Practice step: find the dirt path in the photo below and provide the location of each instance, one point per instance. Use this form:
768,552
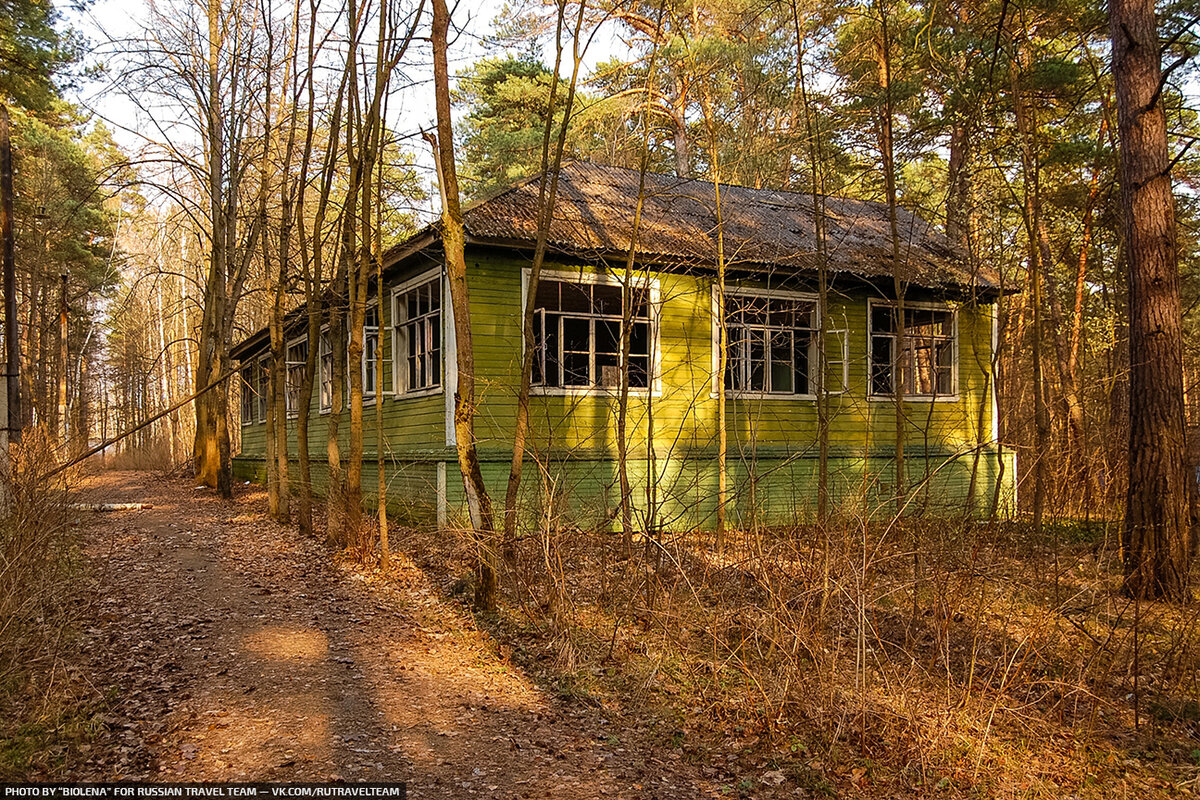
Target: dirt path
232,649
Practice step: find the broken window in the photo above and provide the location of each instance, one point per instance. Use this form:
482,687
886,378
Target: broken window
417,337
249,393
370,342
928,362
578,329
297,362
325,368
772,342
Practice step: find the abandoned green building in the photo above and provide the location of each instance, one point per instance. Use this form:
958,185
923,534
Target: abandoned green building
954,462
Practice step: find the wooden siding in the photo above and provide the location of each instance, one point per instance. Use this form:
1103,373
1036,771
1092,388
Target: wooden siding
772,441
412,425
685,411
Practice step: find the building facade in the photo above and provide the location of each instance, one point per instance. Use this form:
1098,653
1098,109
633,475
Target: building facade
779,354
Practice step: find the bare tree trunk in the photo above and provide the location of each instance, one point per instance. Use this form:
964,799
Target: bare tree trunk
1026,128
210,452
454,244
277,455
714,160
1157,532
683,166
887,150
277,449
547,192
959,198
12,348
61,422
313,259
817,168
626,503
358,272
381,494
334,502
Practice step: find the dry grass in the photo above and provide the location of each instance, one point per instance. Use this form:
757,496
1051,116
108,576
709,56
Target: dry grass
991,664
40,705
153,457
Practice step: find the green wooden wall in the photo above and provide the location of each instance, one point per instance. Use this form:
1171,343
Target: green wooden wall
772,441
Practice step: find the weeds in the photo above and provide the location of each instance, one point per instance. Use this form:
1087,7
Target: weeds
39,566
912,655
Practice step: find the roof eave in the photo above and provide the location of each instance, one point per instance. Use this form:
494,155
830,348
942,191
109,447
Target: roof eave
663,259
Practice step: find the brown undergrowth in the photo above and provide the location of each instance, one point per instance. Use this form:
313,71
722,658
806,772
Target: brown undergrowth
875,658
46,708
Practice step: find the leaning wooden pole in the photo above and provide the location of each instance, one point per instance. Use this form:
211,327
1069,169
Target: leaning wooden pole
107,443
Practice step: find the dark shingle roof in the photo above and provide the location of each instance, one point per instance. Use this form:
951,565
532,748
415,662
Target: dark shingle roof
594,212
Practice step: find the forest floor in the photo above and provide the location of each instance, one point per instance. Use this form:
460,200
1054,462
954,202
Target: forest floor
215,644
228,647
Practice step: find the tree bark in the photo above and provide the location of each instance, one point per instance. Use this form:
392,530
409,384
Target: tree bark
1157,533
887,117
547,192
454,245
211,450
1032,213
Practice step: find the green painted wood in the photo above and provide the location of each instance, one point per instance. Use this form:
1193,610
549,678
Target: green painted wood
772,441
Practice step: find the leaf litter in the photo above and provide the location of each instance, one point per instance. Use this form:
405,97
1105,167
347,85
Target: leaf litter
231,648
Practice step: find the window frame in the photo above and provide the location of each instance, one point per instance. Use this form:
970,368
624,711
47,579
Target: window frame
324,347
249,393
368,397
264,386
840,334
292,413
918,305
654,308
399,371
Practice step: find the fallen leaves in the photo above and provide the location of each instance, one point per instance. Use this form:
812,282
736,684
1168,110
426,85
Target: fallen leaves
393,683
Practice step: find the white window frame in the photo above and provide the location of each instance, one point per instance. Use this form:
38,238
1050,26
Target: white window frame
654,307
369,397
909,305
292,413
252,397
841,334
814,363
400,371
264,386
324,348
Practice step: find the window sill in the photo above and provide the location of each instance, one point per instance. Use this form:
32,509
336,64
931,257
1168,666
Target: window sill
367,402
589,391
807,398
915,398
765,396
418,393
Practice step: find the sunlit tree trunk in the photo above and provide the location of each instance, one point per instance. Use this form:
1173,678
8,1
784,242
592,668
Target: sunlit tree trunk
454,244
547,192
211,452
1032,211
886,121
1157,532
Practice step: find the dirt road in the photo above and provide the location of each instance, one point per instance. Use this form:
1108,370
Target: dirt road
232,649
